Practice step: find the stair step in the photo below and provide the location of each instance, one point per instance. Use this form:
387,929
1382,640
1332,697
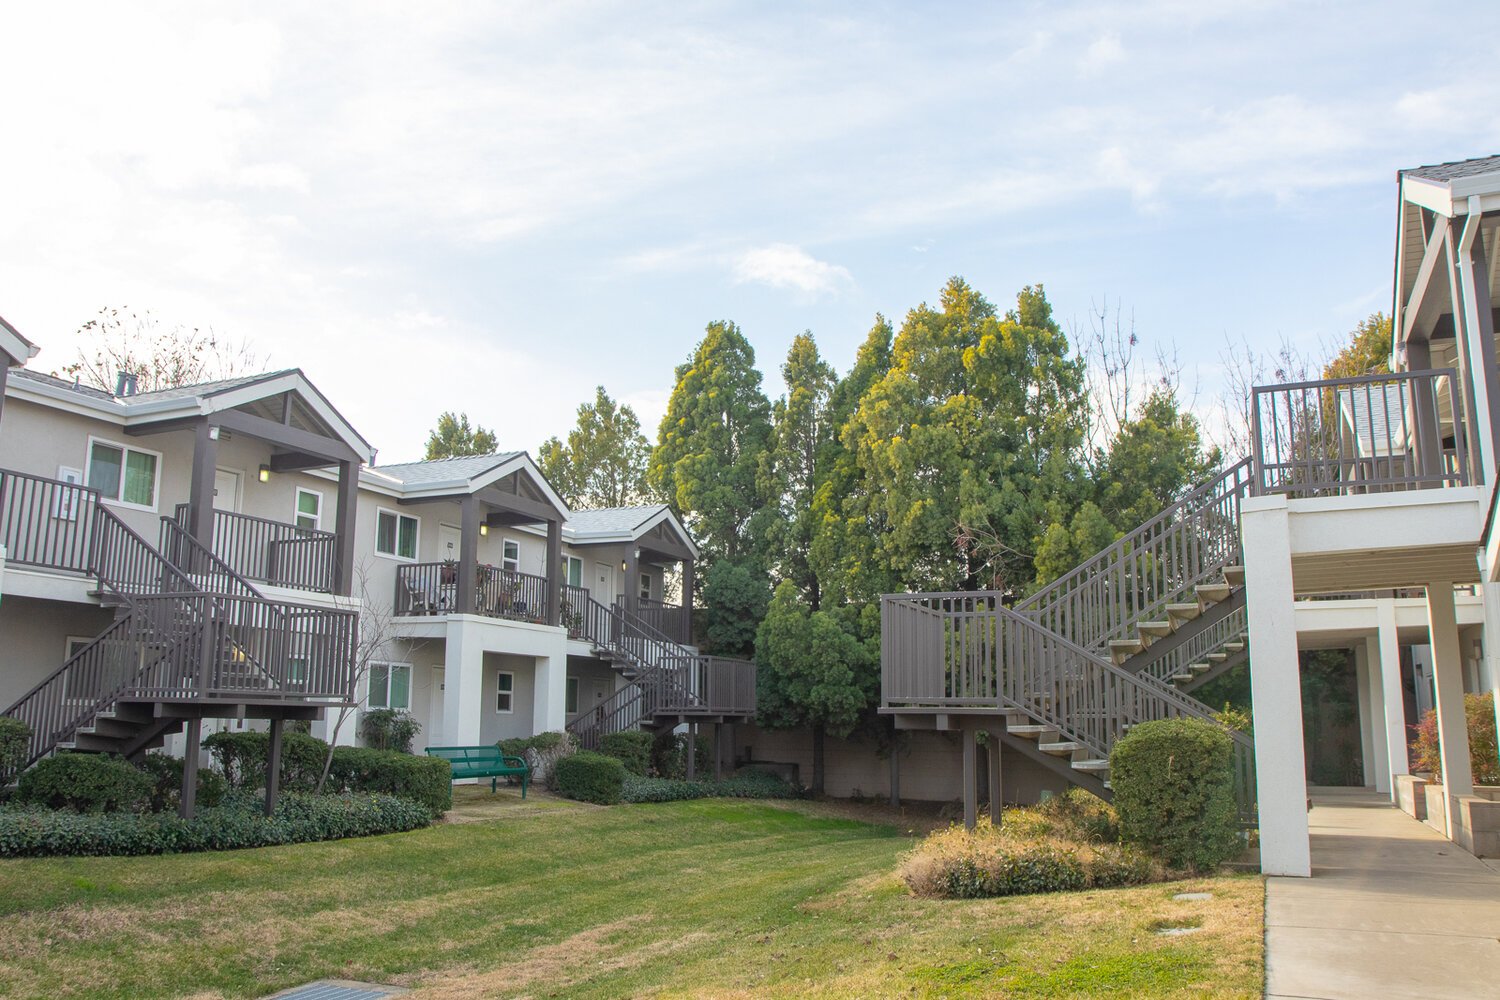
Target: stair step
1093,765
1201,667
1121,650
1031,731
1218,657
1156,629
1233,647
1179,678
1213,593
1184,612
1234,576
1059,749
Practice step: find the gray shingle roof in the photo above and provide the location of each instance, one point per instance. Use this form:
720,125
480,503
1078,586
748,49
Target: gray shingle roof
1444,172
612,520
444,470
212,388
1377,416
45,379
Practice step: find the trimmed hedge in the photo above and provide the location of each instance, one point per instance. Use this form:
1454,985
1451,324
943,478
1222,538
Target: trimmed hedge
15,741
632,747
389,729
591,777
236,824
1173,781
242,758
426,780
669,755
86,782
1023,870
746,785
541,753
166,783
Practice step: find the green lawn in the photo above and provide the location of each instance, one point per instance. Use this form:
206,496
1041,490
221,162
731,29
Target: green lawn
719,898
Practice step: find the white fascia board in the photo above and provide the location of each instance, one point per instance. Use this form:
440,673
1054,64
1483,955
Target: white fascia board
66,400
521,462
1432,195
1463,188
17,346
665,514
292,381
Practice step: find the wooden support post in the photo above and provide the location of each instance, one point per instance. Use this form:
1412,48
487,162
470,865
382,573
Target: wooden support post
996,805
971,779
895,775
201,488
193,739
687,599
468,554
343,568
5,362
692,751
273,767
630,586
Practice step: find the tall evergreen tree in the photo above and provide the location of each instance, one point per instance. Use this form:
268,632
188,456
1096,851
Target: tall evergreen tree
976,428
1368,351
708,452
793,467
603,462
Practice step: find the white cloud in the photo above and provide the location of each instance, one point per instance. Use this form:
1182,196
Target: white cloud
785,265
1103,54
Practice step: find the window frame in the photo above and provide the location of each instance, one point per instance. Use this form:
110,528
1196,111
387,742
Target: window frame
568,562
416,542
646,587
506,563
125,450
297,509
390,667
504,692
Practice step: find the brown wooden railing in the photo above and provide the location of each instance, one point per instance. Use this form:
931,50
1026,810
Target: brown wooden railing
190,626
668,619
432,589
273,552
1156,564
967,650
575,609
718,685
1371,434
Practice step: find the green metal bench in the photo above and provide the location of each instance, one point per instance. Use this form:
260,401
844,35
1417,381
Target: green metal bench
483,762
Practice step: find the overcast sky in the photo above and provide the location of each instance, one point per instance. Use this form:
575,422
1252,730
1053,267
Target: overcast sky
493,207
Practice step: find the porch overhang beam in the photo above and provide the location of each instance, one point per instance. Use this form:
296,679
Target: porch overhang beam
1430,255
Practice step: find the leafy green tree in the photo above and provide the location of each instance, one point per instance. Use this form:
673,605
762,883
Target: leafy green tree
708,452
454,438
735,595
976,429
812,672
1368,351
603,462
1064,547
793,466
847,523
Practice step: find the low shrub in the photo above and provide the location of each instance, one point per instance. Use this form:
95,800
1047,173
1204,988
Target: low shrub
1173,781
591,777
541,753
237,823
632,747
242,756
15,744
745,785
669,755
389,729
427,780
1479,711
166,783
86,782
1014,860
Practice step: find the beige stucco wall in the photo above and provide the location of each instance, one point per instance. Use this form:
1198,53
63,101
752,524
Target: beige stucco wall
33,639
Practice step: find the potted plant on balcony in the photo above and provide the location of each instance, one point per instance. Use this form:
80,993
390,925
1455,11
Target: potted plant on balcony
448,572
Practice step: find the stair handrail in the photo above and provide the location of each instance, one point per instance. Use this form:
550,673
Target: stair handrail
1112,581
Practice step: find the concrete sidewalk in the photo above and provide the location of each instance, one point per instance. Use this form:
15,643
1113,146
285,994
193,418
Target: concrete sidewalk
1392,910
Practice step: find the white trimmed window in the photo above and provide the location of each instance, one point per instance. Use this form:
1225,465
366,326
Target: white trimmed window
309,509
390,685
395,534
505,692
129,476
570,699
645,586
510,555
572,568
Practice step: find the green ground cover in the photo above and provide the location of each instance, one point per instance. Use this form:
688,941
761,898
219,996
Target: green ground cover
701,898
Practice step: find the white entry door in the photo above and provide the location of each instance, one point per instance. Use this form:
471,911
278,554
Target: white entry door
434,734
604,583
226,490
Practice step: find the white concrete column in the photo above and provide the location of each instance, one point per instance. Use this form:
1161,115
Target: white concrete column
1366,730
550,692
1380,754
1448,681
463,683
1393,698
1491,594
1276,688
